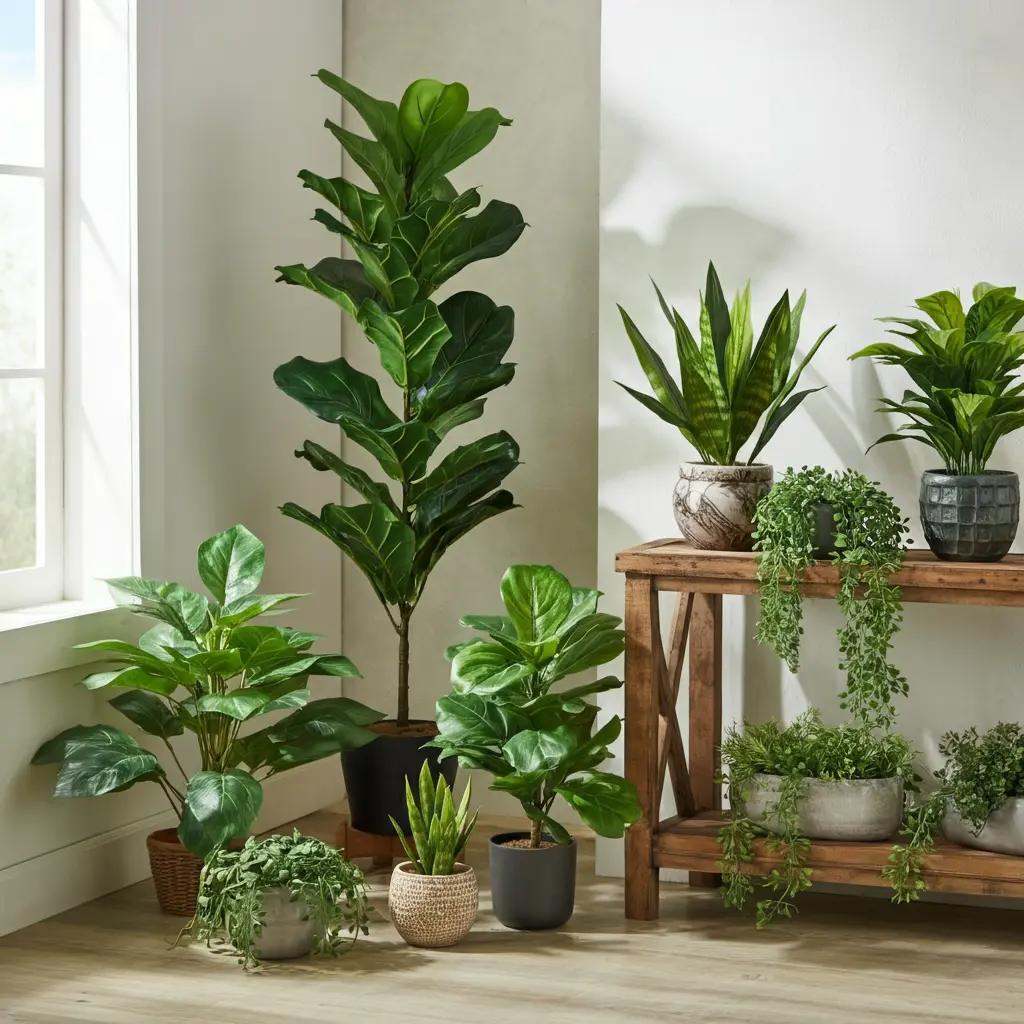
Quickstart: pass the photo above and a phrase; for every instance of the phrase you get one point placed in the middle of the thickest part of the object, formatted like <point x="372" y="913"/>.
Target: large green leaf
<point x="219" y="807"/>
<point x="364" y="210"/>
<point x="421" y="231"/>
<point x="487" y="669"/>
<point x="231" y="563"/>
<point x="376" y="163"/>
<point x="945" y="308"/>
<point x="249" y="607"/>
<point x="538" y="599"/>
<point x="131" y="676"/>
<point x="409" y="340"/>
<point x="102" y="760"/>
<point x="148" y="712"/>
<point x="344" y="282"/>
<point x="323" y="460"/>
<point x="388" y="272"/>
<point x="538" y="750"/>
<point x="664" y="387"/>
<point x="162" y="636"/>
<point x="52" y="751"/>
<point x="468" y="719"/>
<point x="429" y="111"/>
<point x="335" y="391"/>
<point x="476" y="129"/>
<point x="490" y="233"/>
<point x="380" y="116"/>
<point x="594" y="640"/>
<point x="605" y="802"/>
<point x="168" y="602"/>
<point x="402" y="450"/>
<point x="719" y="322"/>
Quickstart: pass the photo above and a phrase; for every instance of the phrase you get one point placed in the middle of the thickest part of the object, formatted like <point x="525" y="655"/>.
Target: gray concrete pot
<point x="287" y="934"/>
<point x="532" y="889"/>
<point x="858" y="810"/>
<point x="970" y="518"/>
<point x="714" y="505"/>
<point x="1003" y="832"/>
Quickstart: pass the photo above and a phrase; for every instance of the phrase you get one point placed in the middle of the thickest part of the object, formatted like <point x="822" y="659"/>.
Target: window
<point x="31" y="302"/>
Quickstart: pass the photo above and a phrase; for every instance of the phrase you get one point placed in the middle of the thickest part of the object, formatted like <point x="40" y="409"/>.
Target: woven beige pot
<point x="432" y="910"/>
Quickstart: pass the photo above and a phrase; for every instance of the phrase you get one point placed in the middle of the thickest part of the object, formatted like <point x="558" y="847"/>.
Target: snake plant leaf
<point x="231" y="563"/>
<point x="334" y="390"/>
<point x="719" y="323"/>
<point x="410" y="851"/>
<point x="664" y="387"/>
<point x="486" y="668"/>
<point x="218" y="807"/>
<point x="787" y="347"/>
<point x="324" y="460"/>
<point x="778" y="417"/>
<point x="659" y="410"/>
<point x="364" y="210"/>
<point x="471" y="720"/>
<point x="741" y="339"/>
<point x="409" y="339"/>
<point x="100" y="760"/>
<point x="475" y="131"/>
<point x="380" y="116"/>
<point x="538" y="599"/>
<point x="606" y="803"/>
<point x="427" y="790"/>
<point x="944" y="307"/>
<point x="490" y="233"/>
<point x="149" y="713"/>
<point x="430" y="111"/>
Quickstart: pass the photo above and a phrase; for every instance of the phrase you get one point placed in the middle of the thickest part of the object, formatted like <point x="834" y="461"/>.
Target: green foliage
<point x="807" y="749"/>
<point x="409" y="236"/>
<point x="503" y="717"/>
<point x="439" y="832"/>
<point x="233" y="881"/>
<point x="727" y="383"/>
<point x="207" y="669"/>
<point x="869" y="538"/>
<point x="965" y="368"/>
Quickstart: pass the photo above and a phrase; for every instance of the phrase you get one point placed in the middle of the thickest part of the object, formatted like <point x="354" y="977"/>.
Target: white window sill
<point x="34" y="641"/>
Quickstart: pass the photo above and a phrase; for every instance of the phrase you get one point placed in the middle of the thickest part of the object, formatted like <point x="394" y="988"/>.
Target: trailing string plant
<point x="980" y="774"/>
<point x="233" y="882"/>
<point x="206" y="668"/>
<point x="439" y="832"/>
<point x="504" y="717"/>
<point x="807" y="749"/>
<point x="727" y="383"/>
<point x="965" y="369"/>
<point x="868" y="539"/>
<point x="410" y="233"/>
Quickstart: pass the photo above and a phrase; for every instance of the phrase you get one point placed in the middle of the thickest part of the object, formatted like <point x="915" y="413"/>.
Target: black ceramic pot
<point x="532" y="889"/>
<point x="823" y="536"/>
<point x="970" y="518"/>
<point x="375" y="779"/>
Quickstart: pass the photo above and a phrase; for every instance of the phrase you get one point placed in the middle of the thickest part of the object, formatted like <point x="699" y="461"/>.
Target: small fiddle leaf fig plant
<point x="207" y="669"/>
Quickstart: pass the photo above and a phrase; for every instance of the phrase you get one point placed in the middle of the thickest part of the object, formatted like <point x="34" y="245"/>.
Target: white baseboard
<point x="67" y="877"/>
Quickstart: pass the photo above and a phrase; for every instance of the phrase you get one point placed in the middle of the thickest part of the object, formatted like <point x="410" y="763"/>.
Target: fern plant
<point x="727" y="383"/>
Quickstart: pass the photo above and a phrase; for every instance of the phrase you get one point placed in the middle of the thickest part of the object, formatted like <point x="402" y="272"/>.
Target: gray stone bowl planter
<point x="970" y="518"/>
<point x="857" y="810"/>
<point x="532" y="890"/>
<point x="287" y="931"/>
<point x="432" y="911"/>
<point x="714" y="505"/>
<point x="1003" y="832"/>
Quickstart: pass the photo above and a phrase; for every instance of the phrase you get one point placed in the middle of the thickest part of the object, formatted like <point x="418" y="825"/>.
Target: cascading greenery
<point x="439" y="832"/>
<point x="207" y="669"/>
<point x="727" y="383"/>
<point x="965" y="367"/>
<point x="410" y="234"/>
<point x="503" y="717"/>
<point x="233" y="882"/>
<point x="870" y="530"/>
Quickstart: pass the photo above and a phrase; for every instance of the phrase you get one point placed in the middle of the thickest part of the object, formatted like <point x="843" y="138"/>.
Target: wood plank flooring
<point x="842" y="960"/>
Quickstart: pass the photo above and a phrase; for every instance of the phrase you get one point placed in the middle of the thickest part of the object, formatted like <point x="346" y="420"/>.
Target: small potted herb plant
<point x="433" y="897"/>
<point x="811" y="514"/>
<point x="503" y="717"/>
<point x="281" y="898"/>
<point x="208" y="669"/>
<point x="726" y="385"/>
<point x="965" y="367"/>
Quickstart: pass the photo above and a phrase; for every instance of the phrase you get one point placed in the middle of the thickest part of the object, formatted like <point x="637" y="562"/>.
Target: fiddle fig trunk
<point x="403" y="667"/>
<point x="535" y="827"/>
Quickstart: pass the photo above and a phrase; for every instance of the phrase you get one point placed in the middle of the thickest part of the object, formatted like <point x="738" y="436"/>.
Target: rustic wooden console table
<point x="654" y="743"/>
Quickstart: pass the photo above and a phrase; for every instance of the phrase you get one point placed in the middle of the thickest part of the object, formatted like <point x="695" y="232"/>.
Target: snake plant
<point x="439" y="832"/>
<point x="726" y="383"/>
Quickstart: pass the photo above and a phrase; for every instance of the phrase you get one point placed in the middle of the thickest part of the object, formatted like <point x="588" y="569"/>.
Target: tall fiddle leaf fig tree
<point x="410" y="233"/>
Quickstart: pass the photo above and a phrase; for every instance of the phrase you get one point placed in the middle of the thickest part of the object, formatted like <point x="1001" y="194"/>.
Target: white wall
<point x="868" y="152"/>
<point x="227" y="114"/>
<point x="537" y="62"/>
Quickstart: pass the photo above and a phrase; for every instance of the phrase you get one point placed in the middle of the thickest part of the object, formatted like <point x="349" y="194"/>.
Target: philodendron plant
<point x="502" y="715"/>
<point x="206" y="668"/>
<point x="410" y="234"/>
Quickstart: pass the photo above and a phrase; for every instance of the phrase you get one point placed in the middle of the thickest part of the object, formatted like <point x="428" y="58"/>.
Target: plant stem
<point x="535" y="827"/>
<point x="167" y="793"/>
<point x="184" y="774"/>
<point x="403" y="665"/>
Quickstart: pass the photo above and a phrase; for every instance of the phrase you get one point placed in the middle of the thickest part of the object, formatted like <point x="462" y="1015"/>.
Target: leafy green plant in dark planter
<point x="503" y="717"/>
<point x="410" y="233"/>
<point x="206" y="668"/>
<point x="866" y="544"/>
<point x="966" y="369"/>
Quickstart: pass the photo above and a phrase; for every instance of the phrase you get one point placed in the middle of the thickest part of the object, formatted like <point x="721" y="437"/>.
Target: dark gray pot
<point x="532" y="889"/>
<point x="970" y="518"/>
<point x="823" y="536"/>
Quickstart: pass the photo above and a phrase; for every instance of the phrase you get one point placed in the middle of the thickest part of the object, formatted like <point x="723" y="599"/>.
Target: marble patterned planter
<point x="1003" y="832"/>
<point x="715" y="505"/>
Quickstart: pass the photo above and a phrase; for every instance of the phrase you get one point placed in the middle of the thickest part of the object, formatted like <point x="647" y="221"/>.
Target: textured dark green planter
<point x="824" y="536"/>
<point x="970" y="518"/>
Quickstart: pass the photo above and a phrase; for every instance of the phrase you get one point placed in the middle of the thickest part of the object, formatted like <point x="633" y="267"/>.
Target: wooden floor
<point x="842" y="960"/>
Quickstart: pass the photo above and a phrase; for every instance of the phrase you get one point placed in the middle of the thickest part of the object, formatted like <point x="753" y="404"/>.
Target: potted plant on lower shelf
<point x="726" y="385"/>
<point x="207" y="669"/>
<point x="812" y="514"/>
<point x="432" y="896"/>
<point x="281" y="898"/>
<point x="789" y="785"/>
<point x="503" y="717"/>
<point x="965" y="366"/>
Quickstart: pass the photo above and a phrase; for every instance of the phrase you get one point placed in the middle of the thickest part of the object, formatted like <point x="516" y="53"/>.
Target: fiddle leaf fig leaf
<point x="428" y="112"/>
<point x="365" y="210"/>
<point x="606" y="803"/>
<point x="335" y="391"/>
<point x="538" y="599"/>
<point x="409" y="340"/>
<point x="476" y="129"/>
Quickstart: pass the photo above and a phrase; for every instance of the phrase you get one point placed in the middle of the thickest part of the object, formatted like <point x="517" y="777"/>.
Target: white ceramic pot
<point x="715" y="505"/>
<point x="1003" y="832"/>
<point x="287" y="931"/>
<point x="858" y="810"/>
<point x="432" y="910"/>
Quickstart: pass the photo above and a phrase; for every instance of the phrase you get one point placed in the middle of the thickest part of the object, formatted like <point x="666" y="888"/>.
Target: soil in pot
<point x="1003" y="832"/>
<point x="970" y="518"/>
<point x="375" y="774"/>
<point x="433" y="911"/>
<point x="532" y="889"/>
<point x="714" y="505"/>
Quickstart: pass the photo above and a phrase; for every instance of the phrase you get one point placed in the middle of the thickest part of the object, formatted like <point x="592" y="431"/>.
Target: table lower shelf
<point x="692" y="844"/>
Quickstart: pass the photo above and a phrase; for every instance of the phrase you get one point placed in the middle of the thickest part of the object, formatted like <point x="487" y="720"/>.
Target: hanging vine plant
<point x="866" y="544"/>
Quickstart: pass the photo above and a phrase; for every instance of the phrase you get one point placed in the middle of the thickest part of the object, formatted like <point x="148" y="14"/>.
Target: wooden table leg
<point x="641" y="702"/>
<point x="705" y="712"/>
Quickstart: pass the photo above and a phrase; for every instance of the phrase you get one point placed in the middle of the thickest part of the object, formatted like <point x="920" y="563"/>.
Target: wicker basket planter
<point x="432" y="910"/>
<point x="175" y="872"/>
